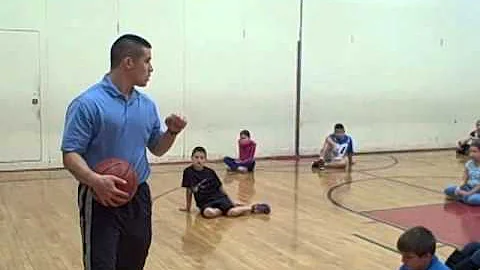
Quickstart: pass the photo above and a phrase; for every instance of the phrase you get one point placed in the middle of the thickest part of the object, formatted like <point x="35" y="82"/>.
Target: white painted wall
<point x="162" y="24"/>
<point x="225" y="65"/>
<point x="399" y="73"/>
<point x="78" y="37"/>
<point x="23" y="53"/>
<point x="240" y="74"/>
<point x="20" y="132"/>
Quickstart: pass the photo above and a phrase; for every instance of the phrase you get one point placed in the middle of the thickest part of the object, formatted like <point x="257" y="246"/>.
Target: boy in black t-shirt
<point x="207" y="190"/>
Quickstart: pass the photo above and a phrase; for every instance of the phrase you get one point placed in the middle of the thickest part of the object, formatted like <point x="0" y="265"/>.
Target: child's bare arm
<point x="474" y="190"/>
<point x="465" y="176"/>
<point x="188" y="200"/>
<point x="329" y="140"/>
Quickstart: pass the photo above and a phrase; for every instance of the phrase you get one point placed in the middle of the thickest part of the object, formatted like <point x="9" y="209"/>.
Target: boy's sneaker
<point x="319" y="164"/>
<point x="261" y="208"/>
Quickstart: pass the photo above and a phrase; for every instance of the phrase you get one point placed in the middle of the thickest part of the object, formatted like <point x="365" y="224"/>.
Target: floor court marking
<point x="59" y="178"/>
<point x="156" y="197"/>
<point x="392" y="179"/>
<point x="56" y="178"/>
<point x="399" y="208"/>
<point x="394" y="163"/>
<point x="329" y="193"/>
<point x="365" y="213"/>
<point x="333" y="188"/>
<point x="371" y="220"/>
<point x="60" y="170"/>
<point x="388" y="166"/>
<point x="386" y="247"/>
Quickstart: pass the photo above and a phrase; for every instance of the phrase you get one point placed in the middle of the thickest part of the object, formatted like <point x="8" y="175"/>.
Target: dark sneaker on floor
<point x="319" y="164"/>
<point x="261" y="208"/>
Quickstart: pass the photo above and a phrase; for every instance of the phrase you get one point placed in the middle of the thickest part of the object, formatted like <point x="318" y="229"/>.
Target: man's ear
<point x="128" y="62"/>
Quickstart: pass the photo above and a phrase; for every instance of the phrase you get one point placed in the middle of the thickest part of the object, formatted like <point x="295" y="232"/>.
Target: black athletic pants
<point x="115" y="238"/>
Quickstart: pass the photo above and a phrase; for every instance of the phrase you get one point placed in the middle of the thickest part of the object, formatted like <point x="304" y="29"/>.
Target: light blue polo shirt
<point x="100" y="123"/>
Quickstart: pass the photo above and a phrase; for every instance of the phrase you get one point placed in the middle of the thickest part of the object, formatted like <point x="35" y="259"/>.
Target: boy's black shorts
<point x="222" y="203"/>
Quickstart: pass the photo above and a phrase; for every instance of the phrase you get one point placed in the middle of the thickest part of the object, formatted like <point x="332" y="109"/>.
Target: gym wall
<point x="400" y="74"/>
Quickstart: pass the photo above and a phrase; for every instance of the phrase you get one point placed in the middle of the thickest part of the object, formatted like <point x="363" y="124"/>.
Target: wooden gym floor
<point x="327" y="220"/>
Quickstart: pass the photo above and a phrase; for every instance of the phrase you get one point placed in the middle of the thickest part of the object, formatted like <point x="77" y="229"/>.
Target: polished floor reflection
<point x="320" y="220"/>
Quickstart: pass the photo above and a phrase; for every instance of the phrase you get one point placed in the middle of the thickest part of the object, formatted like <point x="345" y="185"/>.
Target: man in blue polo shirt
<point x="112" y="119"/>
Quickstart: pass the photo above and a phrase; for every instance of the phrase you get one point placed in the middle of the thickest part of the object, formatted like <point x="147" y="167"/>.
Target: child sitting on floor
<point x="464" y="145"/>
<point x="246" y="150"/>
<point x="468" y="192"/>
<point x="337" y="150"/>
<point x="417" y="246"/>
<point x="207" y="190"/>
<point x="466" y="259"/>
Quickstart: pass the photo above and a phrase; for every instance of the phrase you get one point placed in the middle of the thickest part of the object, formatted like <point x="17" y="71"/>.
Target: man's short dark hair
<point x="128" y="45"/>
<point x="339" y="126"/>
<point x="245" y="133"/>
<point x="418" y="240"/>
<point x="199" y="149"/>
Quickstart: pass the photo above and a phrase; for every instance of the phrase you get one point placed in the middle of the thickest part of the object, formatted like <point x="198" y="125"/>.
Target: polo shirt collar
<point x="112" y="89"/>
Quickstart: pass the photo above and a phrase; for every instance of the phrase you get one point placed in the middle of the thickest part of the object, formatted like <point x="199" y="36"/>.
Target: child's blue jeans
<point x="473" y="199"/>
<point x="233" y="164"/>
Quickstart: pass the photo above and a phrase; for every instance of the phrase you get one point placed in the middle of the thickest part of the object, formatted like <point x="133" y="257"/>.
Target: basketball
<point x="121" y="169"/>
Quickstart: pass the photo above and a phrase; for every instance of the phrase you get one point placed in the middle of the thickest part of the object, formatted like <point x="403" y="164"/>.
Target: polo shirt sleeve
<point x="158" y="129"/>
<point x="78" y="129"/>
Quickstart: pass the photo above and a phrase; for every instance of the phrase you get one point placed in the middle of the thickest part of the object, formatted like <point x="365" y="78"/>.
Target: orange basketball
<point x="121" y="169"/>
